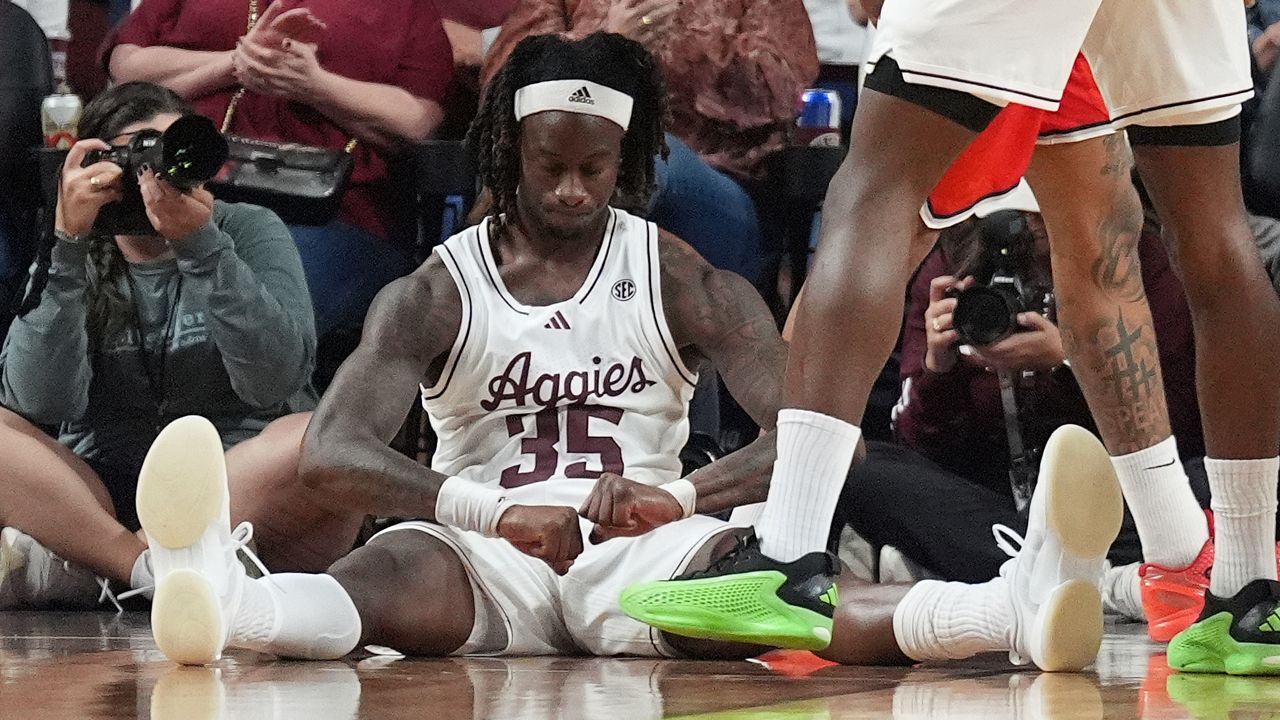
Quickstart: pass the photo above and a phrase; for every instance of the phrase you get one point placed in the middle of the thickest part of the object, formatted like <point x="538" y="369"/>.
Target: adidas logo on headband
<point x="575" y="96"/>
<point x="582" y="95"/>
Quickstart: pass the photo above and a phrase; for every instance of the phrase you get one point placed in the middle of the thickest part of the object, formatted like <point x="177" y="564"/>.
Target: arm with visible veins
<point x="720" y="315"/>
<point x="346" y="454"/>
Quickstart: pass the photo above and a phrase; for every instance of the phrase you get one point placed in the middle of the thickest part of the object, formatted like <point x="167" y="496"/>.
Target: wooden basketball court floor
<point x="101" y="665"/>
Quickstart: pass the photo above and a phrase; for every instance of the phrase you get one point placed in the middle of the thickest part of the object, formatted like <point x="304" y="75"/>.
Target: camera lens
<point x="193" y="151"/>
<point x="985" y="315"/>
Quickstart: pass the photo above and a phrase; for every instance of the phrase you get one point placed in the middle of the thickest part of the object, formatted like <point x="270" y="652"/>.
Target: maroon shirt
<point x="392" y="42"/>
<point x="956" y="419"/>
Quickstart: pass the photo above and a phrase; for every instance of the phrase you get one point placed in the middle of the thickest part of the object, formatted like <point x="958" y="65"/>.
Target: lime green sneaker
<point x="746" y="597"/>
<point x="1238" y="635"/>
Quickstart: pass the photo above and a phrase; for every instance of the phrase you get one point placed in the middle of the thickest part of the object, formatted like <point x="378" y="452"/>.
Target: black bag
<point x="303" y="184"/>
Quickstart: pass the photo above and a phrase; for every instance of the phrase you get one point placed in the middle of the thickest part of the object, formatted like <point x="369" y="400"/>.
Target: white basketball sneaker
<point x="183" y="505"/>
<point x="33" y="578"/>
<point x="1053" y="581"/>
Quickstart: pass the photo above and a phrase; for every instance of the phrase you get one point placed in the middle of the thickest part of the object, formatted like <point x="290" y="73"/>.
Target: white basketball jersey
<point x="542" y="400"/>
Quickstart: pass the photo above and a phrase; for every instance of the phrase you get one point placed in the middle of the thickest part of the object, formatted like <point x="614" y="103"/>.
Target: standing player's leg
<point x="846" y="326"/>
<point x="1182" y="120"/>
<point x="205" y="602"/>
<point x="1095" y="220"/>
<point x="849" y="318"/>
<point x="1192" y="174"/>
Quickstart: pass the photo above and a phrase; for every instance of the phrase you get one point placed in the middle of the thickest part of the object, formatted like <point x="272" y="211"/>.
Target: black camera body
<point x="187" y="154"/>
<point x="987" y="313"/>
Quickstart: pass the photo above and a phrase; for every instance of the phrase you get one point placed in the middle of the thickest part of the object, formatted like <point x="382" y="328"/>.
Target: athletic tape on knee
<point x="467" y="505"/>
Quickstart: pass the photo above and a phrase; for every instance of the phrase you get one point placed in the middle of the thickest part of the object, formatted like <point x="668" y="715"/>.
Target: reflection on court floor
<point x="97" y="665"/>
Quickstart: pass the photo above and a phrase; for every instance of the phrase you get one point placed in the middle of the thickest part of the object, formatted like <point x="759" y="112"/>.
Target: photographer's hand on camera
<point x="82" y="191"/>
<point x="173" y="213"/>
<point x="940" y="334"/>
<point x="1038" y="347"/>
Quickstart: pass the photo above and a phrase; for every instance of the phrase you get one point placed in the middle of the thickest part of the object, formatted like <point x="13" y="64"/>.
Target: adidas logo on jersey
<point x="558" y="322"/>
<point x="582" y="95"/>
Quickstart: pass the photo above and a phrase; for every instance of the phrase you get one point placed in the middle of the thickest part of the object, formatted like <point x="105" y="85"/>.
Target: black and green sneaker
<point x="746" y="597"/>
<point x="1238" y="635"/>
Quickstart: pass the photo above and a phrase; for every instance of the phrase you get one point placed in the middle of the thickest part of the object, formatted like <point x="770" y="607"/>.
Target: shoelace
<point x="725" y="560"/>
<point x="1010" y="542"/>
<point x="240" y="539"/>
<point x="1006" y="539"/>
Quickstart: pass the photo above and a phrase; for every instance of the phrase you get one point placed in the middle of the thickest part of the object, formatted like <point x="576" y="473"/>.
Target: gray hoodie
<point x="241" y="342"/>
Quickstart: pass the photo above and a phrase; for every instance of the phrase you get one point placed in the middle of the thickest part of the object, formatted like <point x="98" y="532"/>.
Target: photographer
<point x="208" y="314"/>
<point x="936" y="496"/>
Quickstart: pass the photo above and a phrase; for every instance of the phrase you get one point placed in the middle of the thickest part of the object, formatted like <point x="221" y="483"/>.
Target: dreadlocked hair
<point x="606" y="58"/>
<point x="104" y="118"/>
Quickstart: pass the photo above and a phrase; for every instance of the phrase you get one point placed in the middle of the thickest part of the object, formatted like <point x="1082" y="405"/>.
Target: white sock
<point x="297" y="615"/>
<point x="142" y="576"/>
<point x="1122" y="592"/>
<point x="949" y="620"/>
<point x="1244" y="520"/>
<point x="1171" y="524"/>
<point x="814" y="455"/>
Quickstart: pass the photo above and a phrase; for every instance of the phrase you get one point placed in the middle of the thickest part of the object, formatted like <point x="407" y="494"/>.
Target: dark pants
<point x="942" y="521"/>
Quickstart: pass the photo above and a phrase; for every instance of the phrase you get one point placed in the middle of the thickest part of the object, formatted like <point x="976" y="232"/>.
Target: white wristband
<point x="467" y="505"/>
<point x="685" y="493"/>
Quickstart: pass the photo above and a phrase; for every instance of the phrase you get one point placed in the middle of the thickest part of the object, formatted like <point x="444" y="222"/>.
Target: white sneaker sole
<point x="181" y="492"/>
<point x="186" y="619"/>
<point x="1083" y="511"/>
<point x="1068" y="628"/>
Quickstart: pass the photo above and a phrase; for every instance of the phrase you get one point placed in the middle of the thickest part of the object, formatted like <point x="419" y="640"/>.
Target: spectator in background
<point x="27" y="78"/>
<point x="734" y="70"/>
<point x="1264" y="34"/>
<point x="936" y="496"/>
<point x="375" y="72"/>
<point x="209" y="316"/>
<point x="1267" y="232"/>
<point x="464" y="23"/>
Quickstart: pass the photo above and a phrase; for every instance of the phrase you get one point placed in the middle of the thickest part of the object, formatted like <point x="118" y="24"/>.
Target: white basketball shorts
<point x="524" y="608"/>
<point x="1157" y="62"/>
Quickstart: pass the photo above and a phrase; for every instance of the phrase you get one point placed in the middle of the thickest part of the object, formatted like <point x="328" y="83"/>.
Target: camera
<point x="988" y="313"/>
<point x="187" y="154"/>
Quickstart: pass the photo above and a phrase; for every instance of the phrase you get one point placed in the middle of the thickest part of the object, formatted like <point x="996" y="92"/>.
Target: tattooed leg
<point x="1094" y="221"/>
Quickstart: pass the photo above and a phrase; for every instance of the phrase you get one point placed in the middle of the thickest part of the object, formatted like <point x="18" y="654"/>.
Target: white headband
<point x="575" y="96"/>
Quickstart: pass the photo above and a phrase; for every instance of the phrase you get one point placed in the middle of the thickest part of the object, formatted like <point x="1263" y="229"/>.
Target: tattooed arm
<point x="346" y="454"/>
<point x="719" y="316"/>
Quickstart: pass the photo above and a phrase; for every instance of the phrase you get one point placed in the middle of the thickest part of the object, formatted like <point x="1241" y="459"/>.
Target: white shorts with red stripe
<point x="988" y="175"/>
<point x="1158" y="62"/>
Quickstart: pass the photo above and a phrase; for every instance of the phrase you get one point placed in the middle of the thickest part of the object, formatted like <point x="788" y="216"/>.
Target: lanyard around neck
<point x="155" y="375"/>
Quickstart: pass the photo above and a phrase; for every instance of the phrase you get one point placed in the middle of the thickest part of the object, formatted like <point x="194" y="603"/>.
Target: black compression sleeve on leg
<point x="1223" y="132"/>
<point x="959" y="107"/>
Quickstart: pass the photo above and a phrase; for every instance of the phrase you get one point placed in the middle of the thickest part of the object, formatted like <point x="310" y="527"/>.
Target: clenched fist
<point x="548" y="532"/>
<point x="624" y="508"/>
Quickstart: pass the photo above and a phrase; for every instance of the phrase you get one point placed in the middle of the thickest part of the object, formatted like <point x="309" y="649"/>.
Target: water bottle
<point x="819" y="120"/>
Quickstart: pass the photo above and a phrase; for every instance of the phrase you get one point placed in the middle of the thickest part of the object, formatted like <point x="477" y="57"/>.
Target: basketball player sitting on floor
<point x="553" y="345"/>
